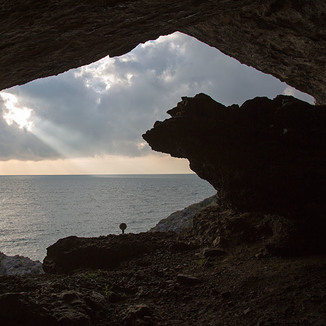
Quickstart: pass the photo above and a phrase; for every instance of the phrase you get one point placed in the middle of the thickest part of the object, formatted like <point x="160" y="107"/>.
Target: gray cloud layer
<point x="105" y="107"/>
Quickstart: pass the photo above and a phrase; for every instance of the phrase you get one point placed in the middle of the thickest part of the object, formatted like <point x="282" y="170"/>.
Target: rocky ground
<point x="19" y="265"/>
<point x="171" y="280"/>
<point x="183" y="219"/>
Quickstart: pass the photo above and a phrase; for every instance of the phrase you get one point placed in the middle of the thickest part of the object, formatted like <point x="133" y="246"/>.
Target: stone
<point x="137" y="315"/>
<point x="282" y="38"/>
<point x="246" y="311"/>
<point x="220" y="242"/>
<point x="97" y="297"/>
<point x="217" y="241"/>
<point x="73" y="318"/>
<point x="262" y="253"/>
<point x="213" y="252"/>
<point x="187" y="279"/>
<point x="73" y="253"/>
<point x="70" y="296"/>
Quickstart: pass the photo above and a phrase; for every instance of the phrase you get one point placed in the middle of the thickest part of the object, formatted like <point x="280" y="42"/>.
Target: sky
<point x="90" y="120"/>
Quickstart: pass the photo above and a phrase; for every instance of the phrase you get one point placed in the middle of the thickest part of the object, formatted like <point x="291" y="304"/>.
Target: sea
<point x="36" y="211"/>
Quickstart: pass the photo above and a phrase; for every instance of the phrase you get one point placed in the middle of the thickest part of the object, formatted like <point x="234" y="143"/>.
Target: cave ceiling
<point x="285" y="38"/>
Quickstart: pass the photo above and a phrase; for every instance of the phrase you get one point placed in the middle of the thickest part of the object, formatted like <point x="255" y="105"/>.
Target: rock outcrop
<point x="19" y="265"/>
<point x="266" y="156"/>
<point x="285" y="38"/>
<point x="182" y="220"/>
<point x="226" y="229"/>
<point x="72" y="253"/>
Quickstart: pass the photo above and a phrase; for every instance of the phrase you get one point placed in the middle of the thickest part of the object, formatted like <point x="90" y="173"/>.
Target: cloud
<point x="103" y="108"/>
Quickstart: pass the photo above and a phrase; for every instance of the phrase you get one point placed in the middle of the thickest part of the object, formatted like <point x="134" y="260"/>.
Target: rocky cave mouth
<point x="266" y="158"/>
<point x="245" y="190"/>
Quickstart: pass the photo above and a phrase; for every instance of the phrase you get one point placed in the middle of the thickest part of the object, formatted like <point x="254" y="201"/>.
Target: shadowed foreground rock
<point x="169" y="282"/>
<point x="73" y="253"/>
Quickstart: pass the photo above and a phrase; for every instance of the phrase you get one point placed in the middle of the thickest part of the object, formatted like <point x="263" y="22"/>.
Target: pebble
<point x="213" y="252"/>
<point x="187" y="279"/>
<point x="137" y="313"/>
<point x="246" y="311"/>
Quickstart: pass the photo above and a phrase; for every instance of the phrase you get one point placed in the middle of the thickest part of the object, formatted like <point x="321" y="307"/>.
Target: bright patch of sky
<point x="100" y="111"/>
<point x="13" y="113"/>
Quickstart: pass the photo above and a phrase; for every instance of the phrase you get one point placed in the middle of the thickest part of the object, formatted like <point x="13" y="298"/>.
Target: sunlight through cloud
<point x="95" y="76"/>
<point x="101" y="110"/>
<point x="102" y="75"/>
<point x="14" y="113"/>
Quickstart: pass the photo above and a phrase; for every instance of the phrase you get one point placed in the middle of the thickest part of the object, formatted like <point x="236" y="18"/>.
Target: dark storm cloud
<point x="105" y="107"/>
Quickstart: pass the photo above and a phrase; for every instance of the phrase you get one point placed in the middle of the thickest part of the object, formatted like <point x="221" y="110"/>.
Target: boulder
<point x="72" y="253"/>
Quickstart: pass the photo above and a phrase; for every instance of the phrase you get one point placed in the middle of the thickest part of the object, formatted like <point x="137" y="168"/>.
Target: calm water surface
<point x="36" y="211"/>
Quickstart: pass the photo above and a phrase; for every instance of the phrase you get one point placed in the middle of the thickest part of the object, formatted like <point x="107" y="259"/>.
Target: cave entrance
<point x="90" y="120"/>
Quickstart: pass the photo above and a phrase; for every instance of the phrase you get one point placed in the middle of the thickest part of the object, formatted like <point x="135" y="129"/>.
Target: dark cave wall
<point x="284" y="38"/>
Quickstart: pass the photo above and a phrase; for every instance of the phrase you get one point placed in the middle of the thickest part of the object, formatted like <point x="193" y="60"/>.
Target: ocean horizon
<point x="38" y="210"/>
